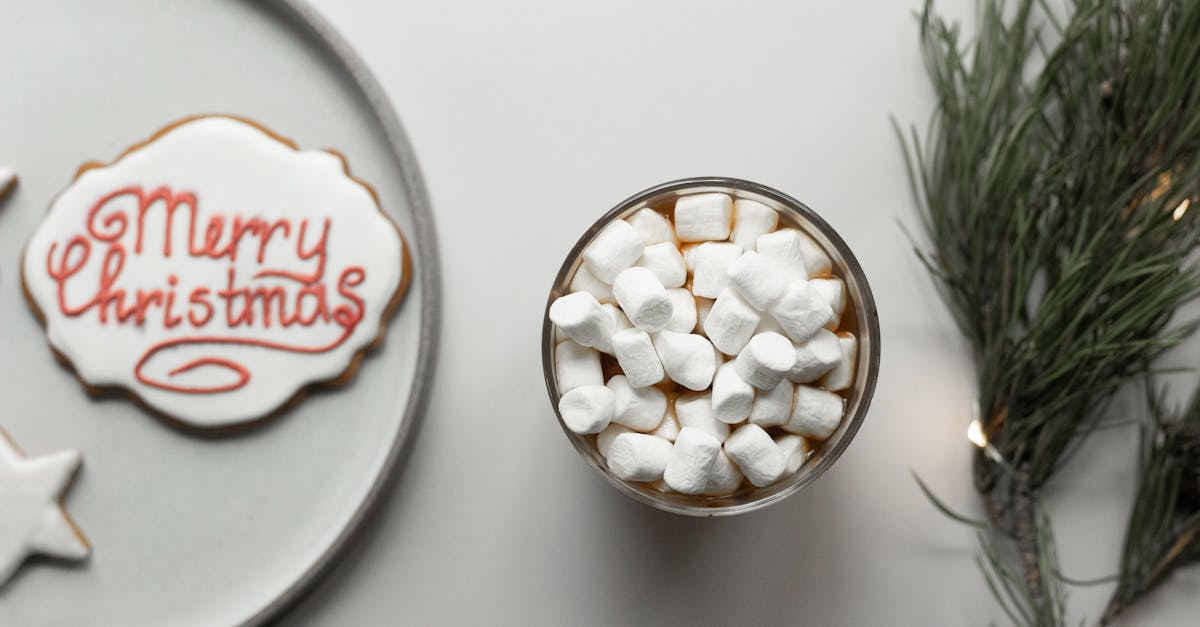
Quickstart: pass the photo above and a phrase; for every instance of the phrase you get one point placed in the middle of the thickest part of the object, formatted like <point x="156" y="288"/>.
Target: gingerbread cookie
<point x="32" y="518"/>
<point x="215" y="271"/>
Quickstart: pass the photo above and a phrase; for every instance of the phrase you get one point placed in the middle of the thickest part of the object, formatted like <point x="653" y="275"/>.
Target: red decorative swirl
<point x="242" y="371"/>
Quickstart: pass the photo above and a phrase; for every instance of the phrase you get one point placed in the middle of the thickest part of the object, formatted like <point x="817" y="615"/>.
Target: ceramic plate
<point x="190" y="530"/>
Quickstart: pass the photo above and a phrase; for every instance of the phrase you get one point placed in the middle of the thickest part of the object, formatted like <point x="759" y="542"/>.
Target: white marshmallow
<point x="751" y="219"/>
<point x="785" y="250"/>
<point x="618" y="317"/>
<point x="769" y="324"/>
<point x="605" y="438"/>
<point x="842" y="374"/>
<point x="691" y="461"/>
<point x="636" y="355"/>
<point x="669" y="427"/>
<point x="703" y="307"/>
<point x="581" y="317"/>
<point x="689" y="255"/>
<point x="815" y="414"/>
<point x="640" y="409"/>
<point x="643" y="299"/>
<point x="794" y="450"/>
<point x="765" y="360"/>
<point x="576" y="365"/>
<point x="712" y="260"/>
<point x="815" y="357"/>
<point x="773" y="407"/>
<point x="587" y="409"/>
<point x="666" y="263"/>
<point x="832" y="291"/>
<point x="652" y="226"/>
<point x="687" y="358"/>
<point x="638" y="457"/>
<point x="683" y="310"/>
<point x="614" y="249"/>
<point x="732" y="397"/>
<point x="585" y="281"/>
<point x="696" y="411"/>
<point x="757" y="280"/>
<point x="815" y="260"/>
<point x="801" y="311"/>
<point x="703" y="217"/>
<point x="724" y="477"/>
<point x="731" y="322"/>
<point x="756" y="455"/>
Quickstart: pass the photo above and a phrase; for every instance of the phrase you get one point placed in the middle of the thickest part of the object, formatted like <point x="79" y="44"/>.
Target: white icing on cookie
<point x="32" y="519"/>
<point x="214" y="271"/>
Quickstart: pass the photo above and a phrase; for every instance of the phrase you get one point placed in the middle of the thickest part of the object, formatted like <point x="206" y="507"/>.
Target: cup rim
<point x="868" y="316"/>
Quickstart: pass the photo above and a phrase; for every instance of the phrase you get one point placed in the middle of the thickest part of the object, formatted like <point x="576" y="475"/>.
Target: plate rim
<point x="319" y="29"/>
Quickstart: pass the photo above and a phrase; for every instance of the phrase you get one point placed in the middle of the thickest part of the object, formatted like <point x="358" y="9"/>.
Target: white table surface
<point x="532" y="118"/>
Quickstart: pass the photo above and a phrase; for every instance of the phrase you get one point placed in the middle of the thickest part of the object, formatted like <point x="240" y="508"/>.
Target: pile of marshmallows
<point x="744" y="318"/>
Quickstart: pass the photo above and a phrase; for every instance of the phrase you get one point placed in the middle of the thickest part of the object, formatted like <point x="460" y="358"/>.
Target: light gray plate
<point x="189" y="530"/>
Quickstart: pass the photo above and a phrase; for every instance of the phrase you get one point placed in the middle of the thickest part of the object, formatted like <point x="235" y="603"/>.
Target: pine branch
<point x="1053" y="184"/>
<point x="1164" y="525"/>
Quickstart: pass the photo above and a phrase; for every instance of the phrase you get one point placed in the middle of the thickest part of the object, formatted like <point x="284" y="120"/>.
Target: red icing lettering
<point x="101" y="271"/>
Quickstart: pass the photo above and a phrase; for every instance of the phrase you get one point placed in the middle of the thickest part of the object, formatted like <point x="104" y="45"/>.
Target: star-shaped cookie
<point x="32" y="518"/>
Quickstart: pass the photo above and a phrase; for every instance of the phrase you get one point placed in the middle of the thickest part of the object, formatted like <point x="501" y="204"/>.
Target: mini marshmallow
<point x="842" y="374"/>
<point x="815" y="260"/>
<point x="815" y="357"/>
<point x="640" y="409"/>
<point x="683" y="311"/>
<point x="689" y="255"/>
<point x="576" y="365"/>
<point x="635" y="353"/>
<point x="703" y="307"/>
<point x="643" y="299"/>
<point x="732" y="397"/>
<point x="703" y="217"/>
<point x="794" y="450"/>
<point x="832" y="291"/>
<point x="652" y="226"/>
<point x="605" y="438"/>
<point x="614" y="249"/>
<point x="801" y="311"/>
<point x="669" y="427"/>
<point x="638" y="457"/>
<point x="765" y="360"/>
<point x="687" y="358"/>
<point x="585" y="281"/>
<point x="756" y="455"/>
<point x="587" y="409"/>
<point x="731" y="322"/>
<point x="691" y="461"/>
<point x="696" y="411"/>
<point x="815" y="414"/>
<point x="769" y="324"/>
<point x="665" y="262"/>
<point x="773" y="407"/>
<point x="756" y="279"/>
<point x="712" y="260"/>
<point x="785" y="250"/>
<point x="580" y="316"/>
<point x="618" y="317"/>
<point x="751" y="219"/>
<point x="724" y="477"/>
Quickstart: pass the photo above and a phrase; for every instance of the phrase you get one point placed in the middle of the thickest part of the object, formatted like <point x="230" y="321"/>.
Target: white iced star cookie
<point x="8" y="180"/>
<point x="32" y="518"/>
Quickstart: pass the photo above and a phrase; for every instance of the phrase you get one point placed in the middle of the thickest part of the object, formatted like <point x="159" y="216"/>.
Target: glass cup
<point x="860" y="318"/>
